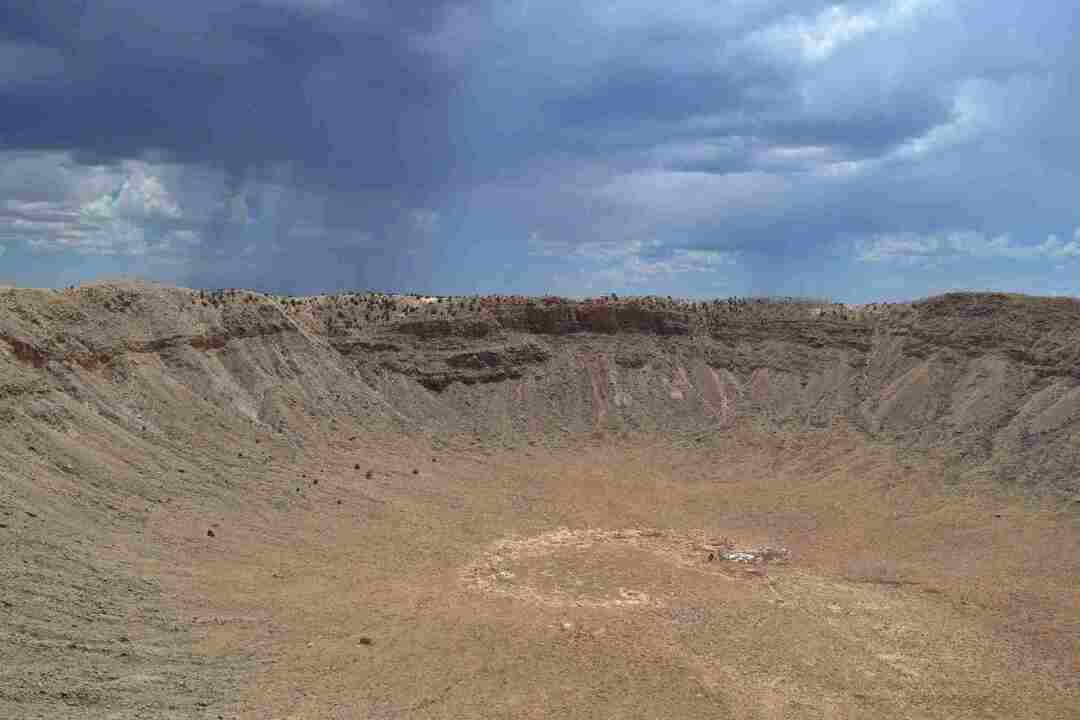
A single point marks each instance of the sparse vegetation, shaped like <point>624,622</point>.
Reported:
<point>617,479</point>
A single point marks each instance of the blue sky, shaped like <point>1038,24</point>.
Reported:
<point>878,149</point>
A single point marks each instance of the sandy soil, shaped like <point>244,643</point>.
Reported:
<point>570,581</point>
<point>220,513</point>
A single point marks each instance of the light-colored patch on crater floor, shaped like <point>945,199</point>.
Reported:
<point>608,568</point>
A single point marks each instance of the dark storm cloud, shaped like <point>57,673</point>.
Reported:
<point>630,96</point>
<point>618,88</point>
<point>351,143</point>
<point>874,118</point>
<point>332,101</point>
<point>343,98</point>
<point>54,24</point>
<point>640,109</point>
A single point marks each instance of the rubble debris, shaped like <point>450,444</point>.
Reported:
<point>756,555</point>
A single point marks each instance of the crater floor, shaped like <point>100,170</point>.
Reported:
<point>231,505</point>
<point>576,581</point>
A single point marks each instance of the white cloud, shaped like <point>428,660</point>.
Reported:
<point>815,38</point>
<point>1055,248</point>
<point>141,195</point>
<point>619,264</point>
<point>832,28</point>
<point>116,237</point>
<point>911,248</point>
<point>60,206</point>
<point>783,154</point>
<point>596,250</point>
<point>976,103</point>
<point>651,273</point>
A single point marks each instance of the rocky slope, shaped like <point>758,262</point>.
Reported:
<point>195,488</point>
<point>991,380</point>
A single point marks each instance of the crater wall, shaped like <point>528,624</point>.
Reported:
<point>992,381</point>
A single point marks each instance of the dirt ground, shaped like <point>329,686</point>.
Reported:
<point>569,581</point>
<point>242,506</point>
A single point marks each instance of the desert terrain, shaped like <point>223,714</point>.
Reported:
<point>239,505</point>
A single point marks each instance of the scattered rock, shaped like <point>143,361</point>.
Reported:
<point>369,475</point>
<point>210,533</point>
<point>762,554</point>
<point>365,640</point>
<point>415,471</point>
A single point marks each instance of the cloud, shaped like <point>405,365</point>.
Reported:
<point>815,38</point>
<point>305,144</point>
<point>1053,247</point>
<point>424,220</point>
<point>912,248</point>
<point>338,94</point>
<point>128,209</point>
<point>631,266</point>
<point>634,273</point>
<point>688,196</point>
<point>140,196</point>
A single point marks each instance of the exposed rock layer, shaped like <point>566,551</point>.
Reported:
<point>992,380</point>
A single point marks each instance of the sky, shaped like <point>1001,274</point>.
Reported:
<point>860,151</point>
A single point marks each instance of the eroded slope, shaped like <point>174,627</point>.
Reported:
<point>258,506</point>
